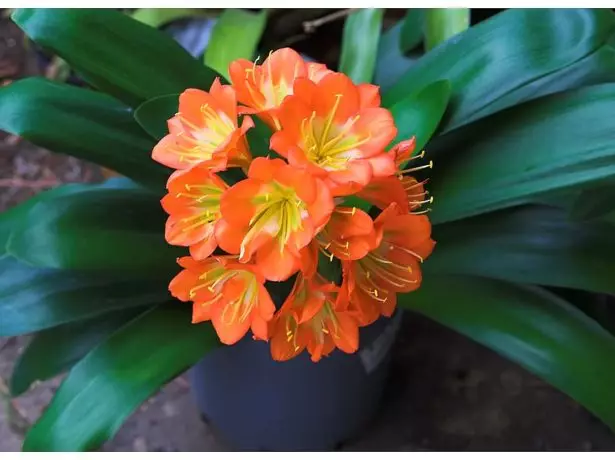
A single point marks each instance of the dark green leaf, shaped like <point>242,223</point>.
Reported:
<point>115,53</point>
<point>531,327</point>
<point>82,123</point>
<point>152,115</point>
<point>552,144</point>
<point>391,62</point>
<point>157,17</point>
<point>412,29</point>
<point>441,24</point>
<point>501,55</point>
<point>360,44</point>
<point>56,350</point>
<point>105,387</point>
<point>594,203</point>
<point>235,35</point>
<point>419,114</point>
<point>597,68</point>
<point>32,299</point>
<point>103,229</point>
<point>10,217</point>
<point>531,244</point>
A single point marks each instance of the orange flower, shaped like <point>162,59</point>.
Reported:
<point>230,294</point>
<point>333,130</point>
<point>314,316</point>
<point>273,214</point>
<point>403,240</point>
<point>193,205</point>
<point>205,131</point>
<point>349,234</point>
<point>263,87</point>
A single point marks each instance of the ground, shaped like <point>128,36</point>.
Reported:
<point>444,392</point>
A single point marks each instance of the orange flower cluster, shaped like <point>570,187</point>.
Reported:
<point>330,139</point>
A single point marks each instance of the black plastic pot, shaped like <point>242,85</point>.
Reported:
<point>256,404</point>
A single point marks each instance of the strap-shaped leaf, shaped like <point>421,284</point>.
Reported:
<point>104,388</point>
<point>441,24</point>
<point>33,299</point>
<point>412,29</point>
<point>552,144</point>
<point>360,44</point>
<point>530,244</point>
<point>96,229</point>
<point>121,56</point>
<point>235,35</point>
<point>531,327</point>
<point>82,123</point>
<point>56,350</point>
<point>506,52</point>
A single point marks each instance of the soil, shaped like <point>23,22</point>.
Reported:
<point>445,392</point>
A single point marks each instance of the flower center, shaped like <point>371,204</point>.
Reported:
<point>216,129</point>
<point>206,197</point>
<point>279,213</point>
<point>330,145</point>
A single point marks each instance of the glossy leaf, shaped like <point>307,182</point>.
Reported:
<point>98,229</point>
<point>54,351</point>
<point>82,123</point>
<point>531,327</point>
<point>360,44</point>
<point>594,203</point>
<point>235,35</point>
<point>594,69</point>
<point>549,145</point>
<point>105,387</point>
<point>530,244</point>
<point>441,24</point>
<point>152,115</point>
<point>501,55</point>
<point>392,62</point>
<point>412,29</point>
<point>32,299</point>
<point>115,53</point>
<point>10,217</point>
<point>419,115</point>
<point>157,17</point>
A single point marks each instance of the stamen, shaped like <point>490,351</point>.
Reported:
<point>418,168</point>
<point>421,212</point>
<point>329,122</point>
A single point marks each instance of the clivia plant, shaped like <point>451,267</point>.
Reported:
<point>297,201</point>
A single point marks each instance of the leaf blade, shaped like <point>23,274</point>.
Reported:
<point>164,343</point>
<point>360,44</point>
<point>539,331</point>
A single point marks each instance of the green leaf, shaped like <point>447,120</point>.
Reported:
<point>32,299</point>
<point>10,217</point>
<point>531,327</point>
<point>419,114</point>
<point>115,53</point>
<point>153,114</point>
<point>594,203</point>
<point>98,229</point>
<point>412,29</point>
<point>594,69</point>
<point>235,35</point>
<point>392,62</point>
<point>82,123</point>
<point>54,351</point>
<point>530,244</point>
<point>552,144</point>
<point>360,44</point>
<point>158,17</point>
<point>501,55</point>
<point>442,24</point>
<point>105,387</point>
